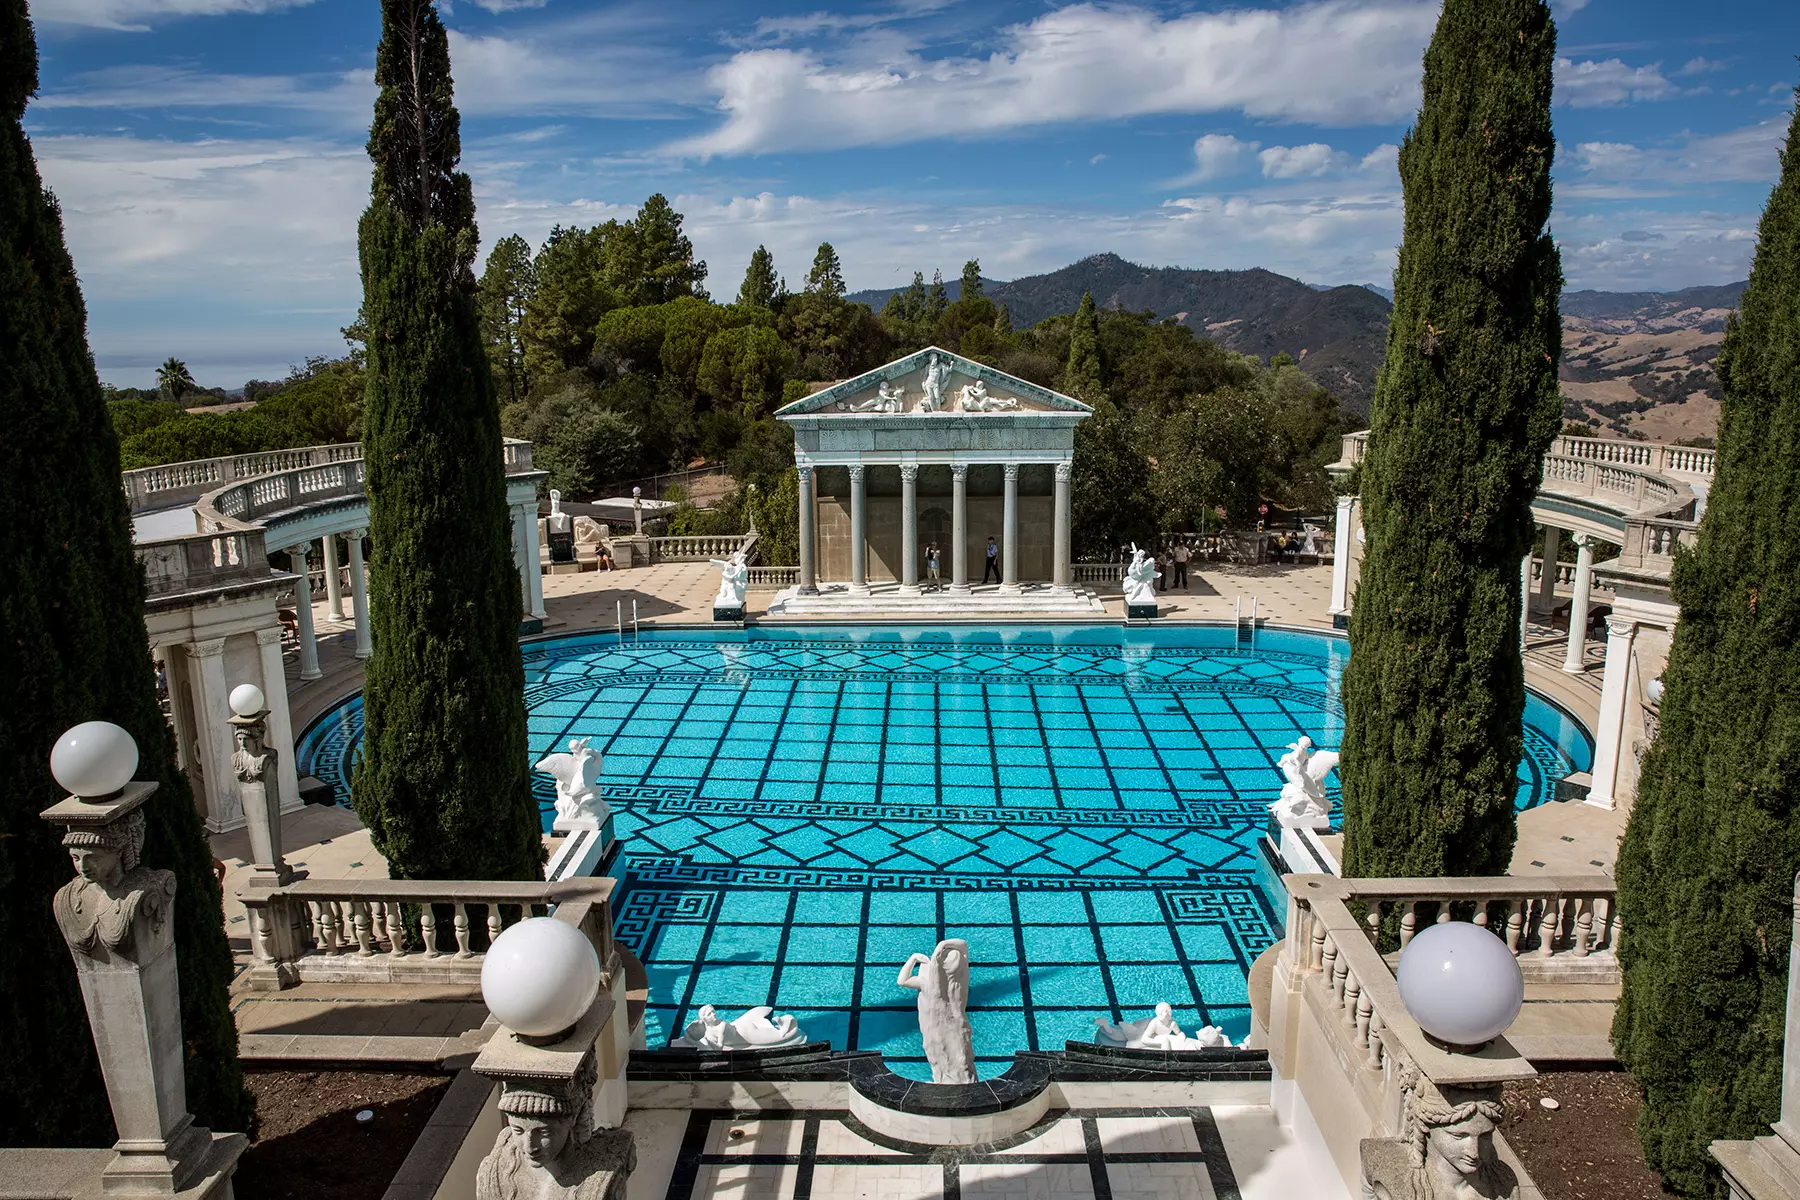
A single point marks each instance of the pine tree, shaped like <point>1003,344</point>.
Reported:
<point>1003,321</point>
<point>1082,378</point>
<point>759,280</point>
<point>1706,870</point>
<point>1465,406</point>
<point>826,277</point>
<point>443,783</point>
<point>971,281</point>
<point>936,300</point>
<point>913,308</point>
<point>507,286</point>
<point>72,608</point>
<point>666,266</point>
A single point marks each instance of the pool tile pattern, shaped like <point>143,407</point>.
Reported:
<point>798,814</point>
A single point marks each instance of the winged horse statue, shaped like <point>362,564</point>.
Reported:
<point>577,775</point>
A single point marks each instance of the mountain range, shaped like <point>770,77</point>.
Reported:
<point>1627,355</point>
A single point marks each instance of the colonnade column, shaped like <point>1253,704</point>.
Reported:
<point>1546,592</point>
<point>303,632</point>
<point>531,570</point>
<point>859,532</point>
<point>1524,600</point>
<point>1059,570</point>
<point>959,528</point>
<point>1009,533</point>
<point>1609,731</point>
<point>359,594</point>
<point>213,732</point>
<point>809,582</point>
<point>1574,662</point>
<point>280,725</point>
<point>909,530</point>
<point>334,588</point>
<point>520,541</point>
<point>1340,556</point>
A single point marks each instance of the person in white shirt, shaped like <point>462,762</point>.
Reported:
<point>1181,561</point>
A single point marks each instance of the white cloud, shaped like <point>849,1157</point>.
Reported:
<point>1610,82</point>
<point>1567,8</point>
<point>1218,155</point>
<point>138,15</point>
<point>1333,63</point>
<point>1749,154</point>
<point>1296,162</point>
<point>346,96</point>
<point>589,66</point>
<point>1702,66</point>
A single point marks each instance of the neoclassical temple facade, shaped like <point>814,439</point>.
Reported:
<point>933,448</point>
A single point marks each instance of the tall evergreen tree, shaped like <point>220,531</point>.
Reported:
<point>73,650</point>
<point>971,281</point>
<point>760,285</point>
<point>1706,871</point>
<point>507,287</point>
<point>1465,406</point>
<point>666,268</point>
<point>827,276</point>
<point>937,299</point>
<point>1003,321</point>
<point>1082,377</point>
<point>443,783</point>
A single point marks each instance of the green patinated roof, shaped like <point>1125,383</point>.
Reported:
<point>821,401</point>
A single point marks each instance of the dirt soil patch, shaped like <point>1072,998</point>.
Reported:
<point>309,1144</point>
<point>1586,1148</point>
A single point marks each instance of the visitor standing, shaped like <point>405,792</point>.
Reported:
<point>931,567</point>
<point>993,561</point>
<point>1181,562</point>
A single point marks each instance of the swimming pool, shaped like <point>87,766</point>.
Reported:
<point>800,809</point>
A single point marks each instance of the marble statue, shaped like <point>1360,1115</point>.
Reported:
<point>558,521</point>
<point>752,1031</point>
<point>1445,1152</point>
<point>1140,578</point>
<point>1302,801</point>
<point>577,782</point>
<point>887,399</point>
<point>549,1150</point>
<point>937,378</point>
<point>942,981</point>
<point>734,580</point>
<point>974,398</point>
<point>1311,543</point>
<point>112,903</point>
<point>1160,1033</point>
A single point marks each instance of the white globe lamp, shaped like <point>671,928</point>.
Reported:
<point>247,700</point>
<point>1460,983</point>
<point>94,759</point>
<point>539,977</point>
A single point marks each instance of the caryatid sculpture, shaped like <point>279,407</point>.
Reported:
<point>112,906</point>
<point>942,981</point>
<point>577,775</point>
<point>1445,1151</point>
<point>549,1149</point>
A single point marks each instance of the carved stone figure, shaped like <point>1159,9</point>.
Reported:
<point>974,398</point>
<point>558,521</point>
<point>549,1149</point>
<point>752,1031</point>
<point>1140,578</point>
<point>112,905</point>
<point>1310,544</point>
<point>937,378</point>
<point>734,580</point>
<point>1161,1033</point>
<point>251,760</point>
<point>1445,1152</point>
<point>942,981</point>
<point>887,399</point>
<point>577,776</point>
<point>1302,802</point>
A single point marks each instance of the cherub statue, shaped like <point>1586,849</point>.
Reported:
<point>1302,801</point>
<point>937,375</point>
<point>734,580</point>
<point>577,777</point>
<point>752,1031</point>
<point>1140,578</point>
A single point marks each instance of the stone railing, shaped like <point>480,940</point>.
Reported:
<point>1096,572</point>
<point>1565,576</point>
<point>762,578</point>
<point>1652,456</point>
<point>175,484</point>
<point>1650,545</point>
<point>700,547</point>
<point>198,561</point>
<point>395,930</point>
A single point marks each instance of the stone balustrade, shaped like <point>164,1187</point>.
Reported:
<point>176,484</point>
<point>395,930</point>
<point>1556,917</point>
<point>1656,457</point>
<point>765,578</point>
<point>198,561</point>
<point>698,548</point>
<point>1097,572</point>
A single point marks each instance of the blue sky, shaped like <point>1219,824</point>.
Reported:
<point>208,153</point>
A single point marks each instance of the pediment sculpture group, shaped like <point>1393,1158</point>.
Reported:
<point>935,396</point>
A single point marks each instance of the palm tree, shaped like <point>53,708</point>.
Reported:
<point>174,380</point>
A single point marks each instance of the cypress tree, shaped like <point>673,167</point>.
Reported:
<point>73,650</point>
<point>1706,870</point>
<point>1465,407</point>
<point>759,280</point>
<point>1082,378</point>
<point>443,784</point>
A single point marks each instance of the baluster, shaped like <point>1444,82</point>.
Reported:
<point>1328,964</point>
<point>1352,997</point>
<point>1515,925</point>
<point>1584,925</point>
<point>1373,1062</point>
<point>1365,1009</point>
<point>493,922</point>
<point>1373,921</point>
<point>462,931</point>
<point>359,917</point>
<point>1443,917</point>
<point>1340,974</point>
<point>1409,920</point>
<point>261,935</point>
<point>396,929</point>
<point>1551,927</point>
<point>428,929</point>
<point>1319,941</point>
<point>1607,934</point>
<point>1481,912</point>
<point>378,922</point>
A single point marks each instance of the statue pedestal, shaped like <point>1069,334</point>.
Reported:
<point>723,613</point>
<point>1136,612</point>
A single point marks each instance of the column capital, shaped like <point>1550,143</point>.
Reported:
<point>1012,471</point>
<point>909,473</point>
<point>1584,540</point>
<point>856,472</point>
<point>1621,626</point>
<point>301,551</point>
<point>357,534</point>
<point>804,472</point>
<point>207,649</point>
<point>271,636</point>
<point>959,471</point>
<point>1065,471</point>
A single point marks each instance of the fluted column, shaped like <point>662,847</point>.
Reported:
<point>334,588</point>
<point>1524,600</point>
<point>281,721</point>
<point>809,581</point>
<point>519,561</point>
<point>1546,592</point>
<point>303,619</point>
<point>1009,550</point>
<point>359,593</point>
<point>1340,556</point>
<point>1574,662</point>
<point>859,547</point>
<point>212,718</point>
<point>1609,731</point>
<point>909,530</point>
<point>534,575</point>
<point>1059,568</point>
<point>959,529</point>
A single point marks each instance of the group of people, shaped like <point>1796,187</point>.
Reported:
<point>934,564</point>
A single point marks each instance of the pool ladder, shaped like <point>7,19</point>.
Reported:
<point>619,615</point>
<point>1245,620</point>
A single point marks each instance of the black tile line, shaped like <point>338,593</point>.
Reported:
<point>781,946</point>
<point>1106,979</point>
<point>1218,1163</point>
<point>809,1154</point>
<point>687,1159</point>
<point>854,1026</point>
<point>1096,1159</point>
<point>952,1181</point>
<point>1018,935</point>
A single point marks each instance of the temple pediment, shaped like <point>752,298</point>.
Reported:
<point>933,383</point>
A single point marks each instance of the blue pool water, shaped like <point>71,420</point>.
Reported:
<point>799,810</point>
